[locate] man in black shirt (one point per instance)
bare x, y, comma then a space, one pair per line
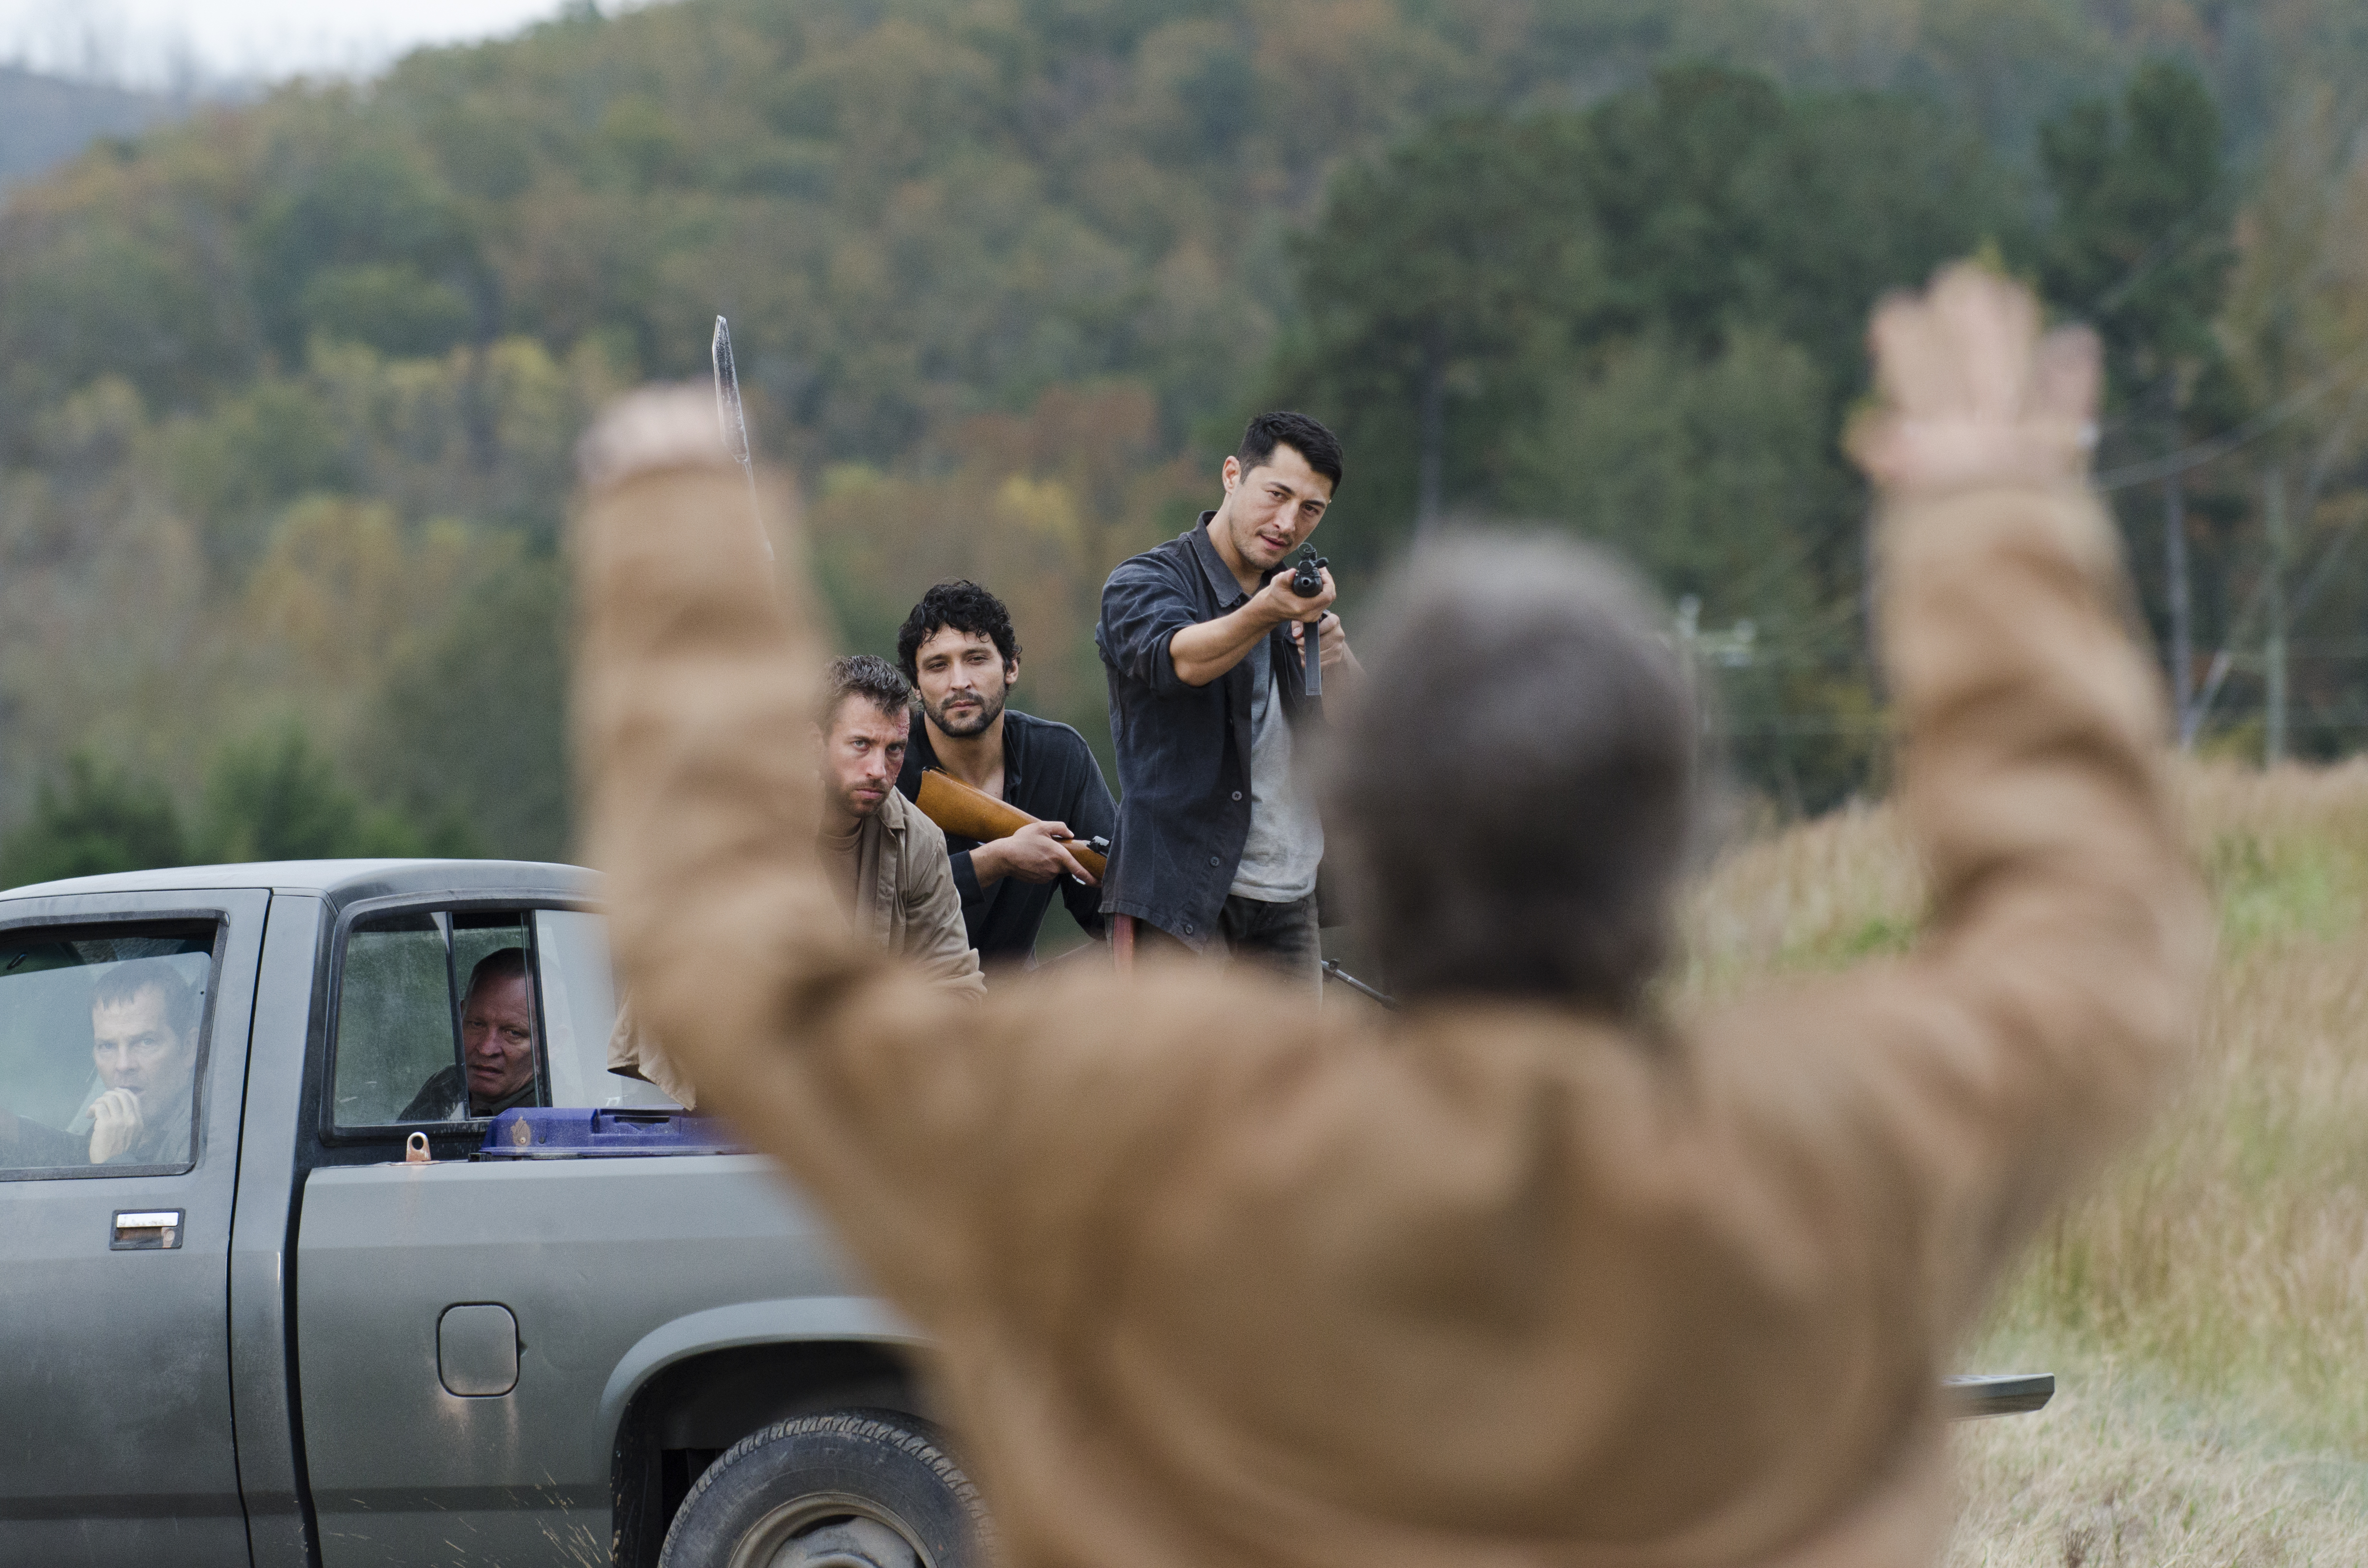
1219, 845
959, 651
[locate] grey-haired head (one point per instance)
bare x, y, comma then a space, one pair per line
1516, 786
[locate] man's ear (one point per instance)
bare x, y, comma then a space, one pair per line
1232, 472
820, 740
1012, 671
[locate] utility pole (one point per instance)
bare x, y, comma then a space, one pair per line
2274, 750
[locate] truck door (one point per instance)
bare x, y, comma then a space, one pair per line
458, 1320
123, 1033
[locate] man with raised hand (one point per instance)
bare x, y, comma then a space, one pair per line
1530, 1272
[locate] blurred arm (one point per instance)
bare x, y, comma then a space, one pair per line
695, 680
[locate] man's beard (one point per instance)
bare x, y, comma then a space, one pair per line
989, 709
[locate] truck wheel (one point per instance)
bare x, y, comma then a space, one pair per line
851, 1489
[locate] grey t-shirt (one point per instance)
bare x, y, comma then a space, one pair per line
1286, 840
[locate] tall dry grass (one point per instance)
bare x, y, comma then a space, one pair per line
2206, 1307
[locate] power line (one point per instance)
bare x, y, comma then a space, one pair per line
2244, 435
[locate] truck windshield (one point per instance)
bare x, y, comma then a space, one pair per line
102, 1029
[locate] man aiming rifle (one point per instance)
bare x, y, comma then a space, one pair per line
1213, 699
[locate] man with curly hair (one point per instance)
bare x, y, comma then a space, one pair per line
960, 652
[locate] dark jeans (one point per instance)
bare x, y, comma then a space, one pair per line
1282, 937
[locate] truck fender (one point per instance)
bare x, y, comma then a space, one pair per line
844, 1319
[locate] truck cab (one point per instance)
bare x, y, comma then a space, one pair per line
269, 1301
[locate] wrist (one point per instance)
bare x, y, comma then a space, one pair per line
987, 863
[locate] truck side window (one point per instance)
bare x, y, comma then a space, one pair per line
448, 1015
102, 1036
437, 1018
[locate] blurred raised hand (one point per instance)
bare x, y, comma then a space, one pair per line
1971, 394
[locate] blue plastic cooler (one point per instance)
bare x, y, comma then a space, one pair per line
582, 1132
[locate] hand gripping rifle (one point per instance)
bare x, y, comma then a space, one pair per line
966, 812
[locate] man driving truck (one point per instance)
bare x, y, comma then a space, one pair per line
497, 1046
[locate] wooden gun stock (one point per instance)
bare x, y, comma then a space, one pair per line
966, 812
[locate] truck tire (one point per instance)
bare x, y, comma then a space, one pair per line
850, 1489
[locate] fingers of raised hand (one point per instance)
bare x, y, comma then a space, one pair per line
2067, 375
1989, 325
1961, 349
1970, 393
656, 427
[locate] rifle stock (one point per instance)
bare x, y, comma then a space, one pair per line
974, 813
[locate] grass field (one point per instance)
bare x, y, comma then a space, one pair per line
2205, 1310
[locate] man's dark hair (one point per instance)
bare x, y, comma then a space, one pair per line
965, 606
123, 984
1304, 435
1516, 796
867, 676
502, 963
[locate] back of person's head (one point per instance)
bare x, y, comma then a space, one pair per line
868, 676
123, 984
1301, 434
965, 606
1515, 784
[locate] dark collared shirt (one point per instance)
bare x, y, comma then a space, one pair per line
1050, 773
1183, 751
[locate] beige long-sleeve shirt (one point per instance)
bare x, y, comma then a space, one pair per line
1219, 1281
903, 894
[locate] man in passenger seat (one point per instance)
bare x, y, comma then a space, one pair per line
144, 1041
497, 1046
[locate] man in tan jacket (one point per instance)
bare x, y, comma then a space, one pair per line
886, 862
885, 859
1524, 1274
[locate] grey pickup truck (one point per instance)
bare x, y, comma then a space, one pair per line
326, 1237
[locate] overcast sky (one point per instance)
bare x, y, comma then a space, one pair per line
143, 41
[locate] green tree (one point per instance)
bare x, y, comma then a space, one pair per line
1430, 273
1656, 312
1714, 478
98, 819
468, 733
2141, 248
274, 797
2295, 327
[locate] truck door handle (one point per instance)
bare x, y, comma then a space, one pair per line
146, 1230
